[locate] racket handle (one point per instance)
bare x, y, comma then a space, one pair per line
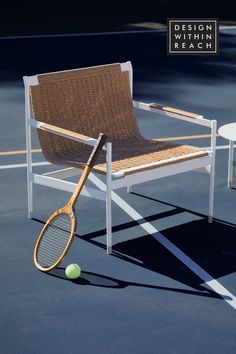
96, 150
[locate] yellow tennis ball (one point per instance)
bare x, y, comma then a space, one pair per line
73, 271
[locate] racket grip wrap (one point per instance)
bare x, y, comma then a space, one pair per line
102, 139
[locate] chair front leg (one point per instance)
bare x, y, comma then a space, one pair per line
108, 198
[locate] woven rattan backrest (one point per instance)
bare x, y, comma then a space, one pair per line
87, 101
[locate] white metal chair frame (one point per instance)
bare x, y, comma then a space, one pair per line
105, 191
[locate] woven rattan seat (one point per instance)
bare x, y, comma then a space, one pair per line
139, 153
95, 100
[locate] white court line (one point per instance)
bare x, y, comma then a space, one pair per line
219, 147
227, 27
87, 34
222, 147
19, 165
150, 229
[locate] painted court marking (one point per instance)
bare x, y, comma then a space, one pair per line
20, 165
184, 137
90, 34
18, 152
150, 229
83, 34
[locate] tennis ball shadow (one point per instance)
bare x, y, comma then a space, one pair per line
60, 273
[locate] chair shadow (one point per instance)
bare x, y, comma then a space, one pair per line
211, 246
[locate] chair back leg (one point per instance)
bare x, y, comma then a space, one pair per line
129, 189
212, 170
28, 153
211, 194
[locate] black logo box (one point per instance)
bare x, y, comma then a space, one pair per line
192, 36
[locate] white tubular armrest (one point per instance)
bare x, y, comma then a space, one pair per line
62, 132
173, 112
176, 111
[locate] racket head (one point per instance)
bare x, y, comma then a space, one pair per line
55, 240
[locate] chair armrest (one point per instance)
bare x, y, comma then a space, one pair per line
173, 112
62, 132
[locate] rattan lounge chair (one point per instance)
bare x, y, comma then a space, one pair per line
70, 109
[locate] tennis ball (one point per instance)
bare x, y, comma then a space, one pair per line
73, 271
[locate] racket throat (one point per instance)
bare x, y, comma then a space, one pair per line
79, 187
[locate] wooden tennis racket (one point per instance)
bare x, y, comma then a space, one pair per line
58, 233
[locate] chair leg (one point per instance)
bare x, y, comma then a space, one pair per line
211, 194
230, 164
108, 198
129, 189
29, 171
30, 199
108, 223
212, 170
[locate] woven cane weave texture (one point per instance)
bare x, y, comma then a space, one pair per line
74, 73
91, 101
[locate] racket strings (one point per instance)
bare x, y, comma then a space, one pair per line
54, 241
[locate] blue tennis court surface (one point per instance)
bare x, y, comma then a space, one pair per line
142, 298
